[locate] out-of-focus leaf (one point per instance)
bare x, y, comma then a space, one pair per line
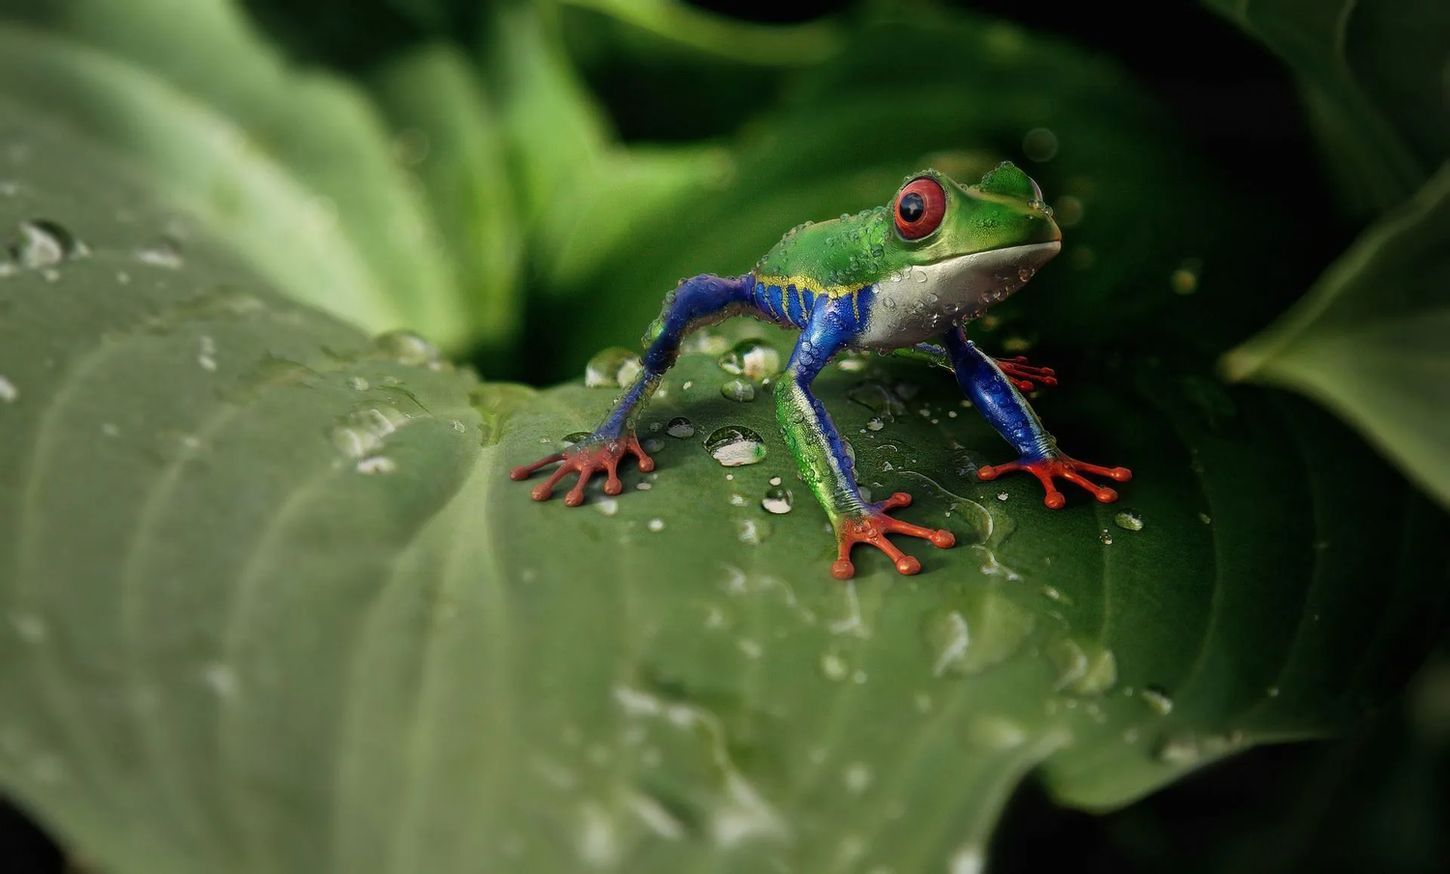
1137, 206
1369, 340
1373, 76
711, 34
270, 601
293, 168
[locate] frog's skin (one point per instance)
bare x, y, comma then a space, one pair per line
902, 277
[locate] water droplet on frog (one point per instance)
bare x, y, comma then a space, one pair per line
1157, 700
45, 244
741, 390
778, 501
1128, 520
680, 427
407, 347
163, 253
735, 445
614, 367
753, 359
8, 392
1039, 144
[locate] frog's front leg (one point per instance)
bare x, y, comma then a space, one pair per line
994, 394
696, 302
821, 455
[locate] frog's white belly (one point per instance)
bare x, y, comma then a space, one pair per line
920, 303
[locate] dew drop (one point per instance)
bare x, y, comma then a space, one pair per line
1158, 700
735, 445
407, 347
614, 367
680, 427
656, 525
164, 253
777, 501
607, 506
875, 424
742, 390
1128, 520
1105, 538
834, 667
45, 244
753, 359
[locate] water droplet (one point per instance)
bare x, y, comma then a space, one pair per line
741, 390
360, 433
614, 367
680, 427
752, 531
607, 506
1128, 520
164, 253
777, 501
857, 777
775, 480
875, 424
1105, 538
407, 347
1039, 144
753, 359
1158, 700
1184, 280
1205, 518
652, 444
1083, 668
206, 354
45, 244
834, 667
8, 392
656, 525
735, 445
1002, 496
357, 383
376, 464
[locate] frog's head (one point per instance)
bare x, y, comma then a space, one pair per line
976, 244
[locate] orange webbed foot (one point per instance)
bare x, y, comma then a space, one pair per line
587, 458
872, 527
1061, 467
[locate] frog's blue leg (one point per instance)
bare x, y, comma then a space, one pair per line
820, 453
695, 303
1022, 373
1006, 410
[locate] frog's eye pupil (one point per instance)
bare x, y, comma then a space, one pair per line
912, 208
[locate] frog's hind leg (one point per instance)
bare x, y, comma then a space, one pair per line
695, 303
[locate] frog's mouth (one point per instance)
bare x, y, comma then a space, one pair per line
981, 279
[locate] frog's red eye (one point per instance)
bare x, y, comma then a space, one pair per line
920, 207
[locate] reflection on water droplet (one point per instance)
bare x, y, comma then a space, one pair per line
680, 427
656, 525
874, 424
1158, 700
8, 392
753, 359
607, 506
1083, 668
614, 367
777, 501
376, 464
652, 444
857, 777
1105, 537
735, 445
360, 433
206, 354
1128, 520
741, 390
834, 667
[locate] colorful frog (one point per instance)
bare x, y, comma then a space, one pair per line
903, 277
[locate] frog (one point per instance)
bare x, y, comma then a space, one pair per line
902, 278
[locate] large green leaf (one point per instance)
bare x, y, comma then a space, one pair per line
1369, 340
270, 602
293, 168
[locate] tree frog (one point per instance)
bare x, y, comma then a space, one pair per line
903, 277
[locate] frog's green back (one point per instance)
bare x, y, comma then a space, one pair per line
832, 257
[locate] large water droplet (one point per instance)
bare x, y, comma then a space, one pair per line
778, 501
680, 427
45, 244
614, 367
406, 347
741, 390
735, 445
753, 359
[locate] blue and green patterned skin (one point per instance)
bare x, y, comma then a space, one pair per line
903, 277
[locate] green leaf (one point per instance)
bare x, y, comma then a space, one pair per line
293, 168
1372, 73
270, 602
1368, 340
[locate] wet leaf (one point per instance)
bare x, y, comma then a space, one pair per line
270, 601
